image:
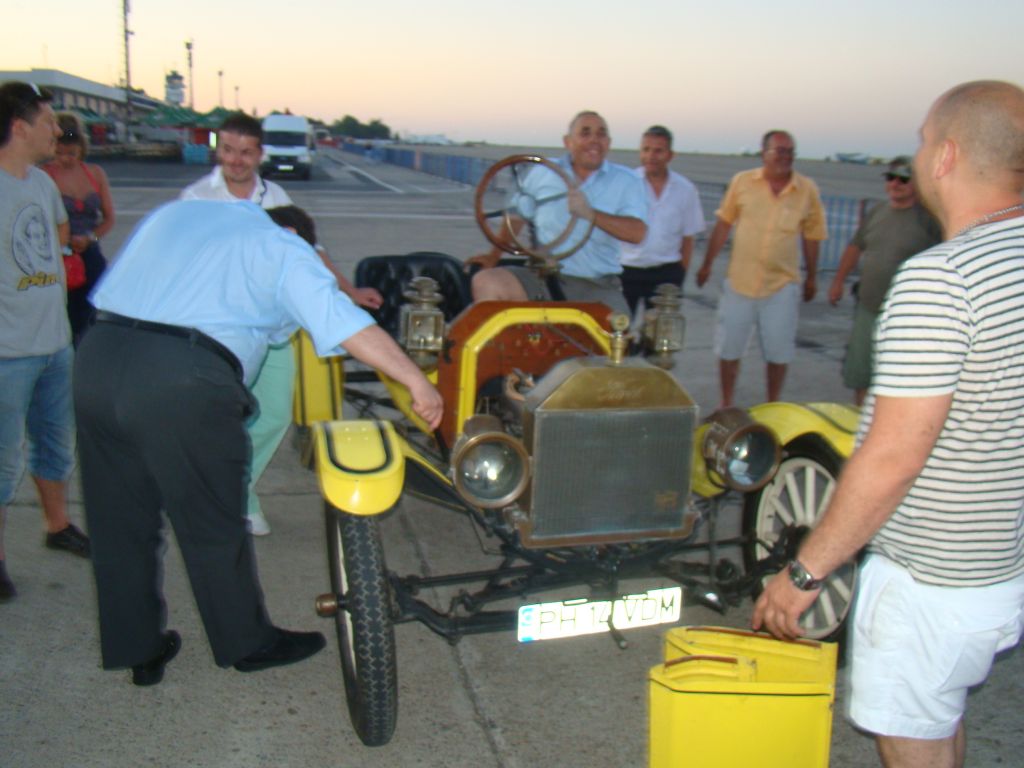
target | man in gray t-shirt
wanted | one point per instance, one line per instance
(889, 235)
(35, 339)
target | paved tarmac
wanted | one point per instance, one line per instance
(487, 701)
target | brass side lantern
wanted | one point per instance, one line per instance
(421, 322)
(664, 325)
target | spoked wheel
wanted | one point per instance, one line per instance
(775, 521)
(521, 206)
(363, 619)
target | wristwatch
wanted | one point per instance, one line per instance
(802, 578)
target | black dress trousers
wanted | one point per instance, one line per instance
(161, 426)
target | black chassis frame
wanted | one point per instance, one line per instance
(713, 582)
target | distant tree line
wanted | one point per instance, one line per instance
(350, 126)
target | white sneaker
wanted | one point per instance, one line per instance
(258, 525)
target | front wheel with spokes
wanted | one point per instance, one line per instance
(778, 517)
(363, 620)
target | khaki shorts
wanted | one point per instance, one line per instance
(858, 364)
(774, 316)
(606, 289)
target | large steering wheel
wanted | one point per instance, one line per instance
(521, 207)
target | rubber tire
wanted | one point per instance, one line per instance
(366, 635)
(826, 619)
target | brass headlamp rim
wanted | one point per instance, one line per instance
(735, 424)
(466, 443)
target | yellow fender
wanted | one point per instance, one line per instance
(319, 384)
(834, 423)
(360, 465)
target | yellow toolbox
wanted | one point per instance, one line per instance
(726, 698)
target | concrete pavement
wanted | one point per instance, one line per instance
(487, 701)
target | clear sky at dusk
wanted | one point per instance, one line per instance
(850, 76)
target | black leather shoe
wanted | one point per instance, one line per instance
(287, 648)
(152, 672)
(7, 590)
(70, 540)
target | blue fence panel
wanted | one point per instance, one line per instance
(842, 214)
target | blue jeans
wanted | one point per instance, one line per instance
(35, 399)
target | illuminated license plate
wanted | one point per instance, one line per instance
(569, 618)
(286, 167)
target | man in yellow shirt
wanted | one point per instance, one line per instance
(775, 210)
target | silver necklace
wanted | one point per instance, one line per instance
(989, 216)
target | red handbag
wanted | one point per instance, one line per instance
(74, 270)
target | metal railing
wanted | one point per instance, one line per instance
(842, 214)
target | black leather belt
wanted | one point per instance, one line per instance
(196, 337)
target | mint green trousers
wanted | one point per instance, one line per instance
(273, 391)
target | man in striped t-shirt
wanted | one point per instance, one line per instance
(936, 487)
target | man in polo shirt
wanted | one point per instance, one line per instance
(608, 194)
(775, 210)
(674, 219)
(935, 489)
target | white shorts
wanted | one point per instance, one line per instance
(917, 648)
(775, 317)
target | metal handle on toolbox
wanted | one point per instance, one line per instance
(702, 657)
(749, 633)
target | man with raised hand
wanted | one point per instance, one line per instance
(608, 194)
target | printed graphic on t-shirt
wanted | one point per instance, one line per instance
(32, 246)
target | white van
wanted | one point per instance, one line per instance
(288, 146)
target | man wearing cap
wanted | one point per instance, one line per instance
(239, 151)
(775, 210)
(674, 219)
(888, 235)
(35, 338)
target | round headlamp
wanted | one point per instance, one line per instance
(489, 467)
(742, 452)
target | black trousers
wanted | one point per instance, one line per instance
(161, 426)
(640, 282)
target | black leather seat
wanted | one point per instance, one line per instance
(391, 276)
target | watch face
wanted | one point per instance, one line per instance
(801, 578)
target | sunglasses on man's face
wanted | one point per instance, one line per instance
(900, 179)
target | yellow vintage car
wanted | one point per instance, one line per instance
(588, 465)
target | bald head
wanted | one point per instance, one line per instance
(586, 113)
(986, 119)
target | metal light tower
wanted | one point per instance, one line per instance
(220, 87)
(236, 98)
(191, 77)
(127, 66)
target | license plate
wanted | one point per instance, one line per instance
(286, 167)
(569, 618)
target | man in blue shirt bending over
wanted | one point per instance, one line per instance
(610, 195)
(184, 319)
